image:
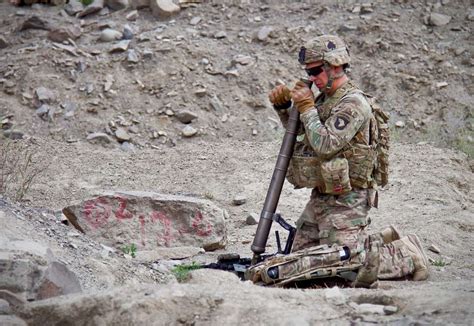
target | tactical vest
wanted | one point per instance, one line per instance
(352, 167)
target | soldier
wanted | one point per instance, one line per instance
(335, 156)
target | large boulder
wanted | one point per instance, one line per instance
(150, 220)
(30, 270)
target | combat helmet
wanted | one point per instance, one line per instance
(328, 48)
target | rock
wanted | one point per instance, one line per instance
(117, 4)
(185, 116)
(195, 20)
(121, 46)
(94, 7)
(127, 32)
(132, 56)
(165, 220)
(242, 59)
(201, 91)
(369, 308)
(252, 219)
(139, 4)
(347, 28)
(163, 8)
(390, 310)
(434, 249)
(5, 308)
(30, 270)
(439, 19)
(109, 35)
(335, 296)
(470, 15)
(73, 7)
(264, 33)
(70, 109)
(62, 34)
(441, 84)
(188, 131)
(127, 147)
(13, 134)
(43, 112)
(400, 124)
(122, 135)
(3, 42)
(239, 200)
(220, 34)
(132, 15)
(147, 54)
(99, 137)
(35, 22)
(216, 104)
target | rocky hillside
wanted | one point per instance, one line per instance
(172, 100)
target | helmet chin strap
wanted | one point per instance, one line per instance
(331, 76)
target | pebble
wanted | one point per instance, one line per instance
(239, 200)
(99, 137)
(264, 32)
(185, 116)
(109, 35)
(216, 104)
(43, 111)
(335, 296)
(242, 59)
(441, 84)
(132, 56)
(73, 7)
(188, 131)
(44, 95)
(252, 219)
(127, 147)
(400, 124)
(121, 46)
(434, 249)
(220, 34)
(127, 33)
(195, 20)
(132, 15)
(163, 8)
(122, 135)
(201, 91)
(3, 43)
(439, 19)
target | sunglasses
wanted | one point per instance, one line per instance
(314, 71)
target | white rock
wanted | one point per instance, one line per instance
(399, 124)
(439, 19)
(132, 15)
(109, 35)
(195, 20)
(335, 296)
(188, 131)
(264, 33)
(163, 8)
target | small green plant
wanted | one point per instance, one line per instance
(87, 2)
(181, 271)
(439, 262)
(130, 250)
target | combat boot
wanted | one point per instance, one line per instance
(368, 273)
(390, 234)
(420, 262)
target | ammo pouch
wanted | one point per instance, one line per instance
(305, 171)
(335, 173)
(362, 159)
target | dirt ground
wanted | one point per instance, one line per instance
(423, 75)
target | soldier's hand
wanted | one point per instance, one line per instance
(280, 96)
(302, 97)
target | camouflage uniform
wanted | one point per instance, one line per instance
(337, 217)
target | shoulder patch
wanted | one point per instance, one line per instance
(341, 123)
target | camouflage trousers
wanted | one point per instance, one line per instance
(331, 219)
(327, 224)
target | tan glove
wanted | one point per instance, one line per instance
(302, 97)
(280, 95)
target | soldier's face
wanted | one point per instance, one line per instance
(317, 75)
